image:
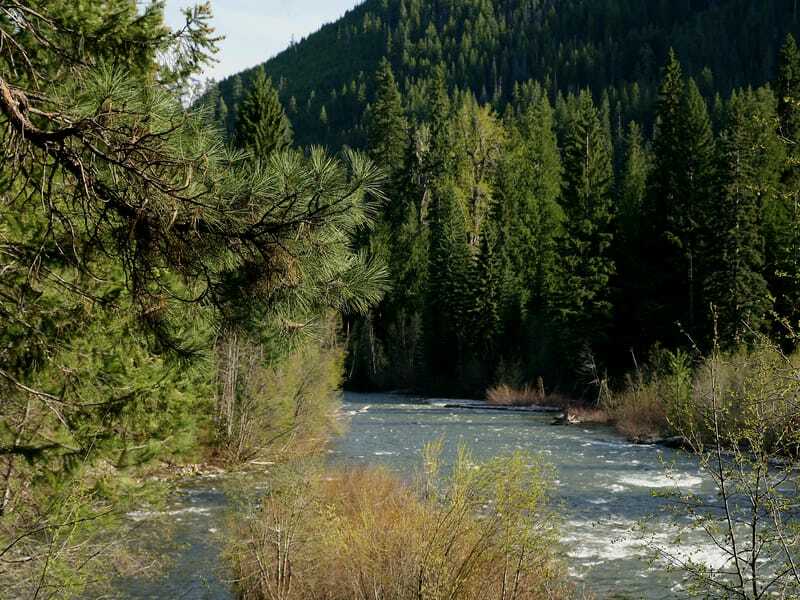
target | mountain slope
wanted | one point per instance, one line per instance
(487, 46)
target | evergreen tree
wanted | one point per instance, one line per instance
(633, 187)
(735, 285)
(529, 216)
(261, 124)
(583, 304)
(787, 87)
(119, 274)
(386, 123)
(681, 186)
(782, 212)
(629, 283)
(222, 116)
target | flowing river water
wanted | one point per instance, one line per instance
(605, 485)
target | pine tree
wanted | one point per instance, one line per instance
(682, 184)
(261, 124)
(529, 218)
(583, 304)
(782, 212)
(735, 285)
(387, 128)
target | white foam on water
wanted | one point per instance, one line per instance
(599, 501)
(383, 453)
(661, 481)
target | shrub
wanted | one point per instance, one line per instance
(276, 408)
(485, 531)
(741, 421)
(642, 411)
(505, 395)
(639, 412)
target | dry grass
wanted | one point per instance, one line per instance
(505, 395)
(675, 399)
(486, 531)
(528, 395)
(584, 414)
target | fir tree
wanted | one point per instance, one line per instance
(387, 128)
(529, 218)
(735, 285)
(629, 283)
(782, 212)
(261, 124)
(787, 87)
(583, 303)
(682, 184)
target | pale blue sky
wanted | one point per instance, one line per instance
(256, 30)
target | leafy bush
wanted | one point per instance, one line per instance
(485, 531)
(741, 421)
(275, 409)
(642, 410)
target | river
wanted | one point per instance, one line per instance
(605, 485)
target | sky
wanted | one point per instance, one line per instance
(256, 30)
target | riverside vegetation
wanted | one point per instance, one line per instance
(179, 283)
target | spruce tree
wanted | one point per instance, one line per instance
(387, 128)
(782, 212)
(681, 186)
(583, 304)
(261, 123)
(735, 284)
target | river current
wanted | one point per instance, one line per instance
(607, 489)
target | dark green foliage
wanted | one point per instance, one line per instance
(787, 87)
(487, 47)
(563, 236)
(682, 186)
(782, 211)
(605, 221)
(530, 220)
(631, 278)
(583, 303)
(749, 146)
(261, 124)
(386, 123)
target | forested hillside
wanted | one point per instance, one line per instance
(574, 185)
(487, 46)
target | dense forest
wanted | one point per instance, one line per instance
(614, 47)
(440, 197)
(573, 185)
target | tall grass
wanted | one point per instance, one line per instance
(484, 531)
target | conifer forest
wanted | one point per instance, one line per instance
(452, 227)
